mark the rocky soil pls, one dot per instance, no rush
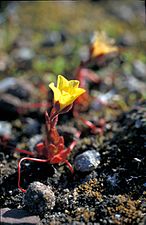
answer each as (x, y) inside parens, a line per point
(109, 182)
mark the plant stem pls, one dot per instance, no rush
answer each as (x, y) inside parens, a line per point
(19, 168)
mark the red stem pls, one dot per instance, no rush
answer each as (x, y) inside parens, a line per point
(19, 168)
(24, 151)
(78, 134)
(18, 149)
(69, 166)
(73, 144)
(36, 105)
(89, 124)
(33, 105)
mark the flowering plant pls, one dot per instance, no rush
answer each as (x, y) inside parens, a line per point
(101, 45)
(53, 148)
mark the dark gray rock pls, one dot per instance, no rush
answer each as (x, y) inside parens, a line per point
(26, 89)
(39, 198)
(18, 216)
(87, 161)
(20, 88)
(19, 92)
(53, 38)
(9, 106)
(32, 127)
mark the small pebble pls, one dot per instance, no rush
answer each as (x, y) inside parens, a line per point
(39, 198)
(117, 216)
(138, 123)
(54, 38)
(24, 54)
(7, 83)
(23, 58)
(139, 70)
(34, 141)
(87, 161)
(112, 180)
(5, 129)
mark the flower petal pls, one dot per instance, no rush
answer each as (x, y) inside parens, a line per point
(66, 100)
(74, 83)
(78, 92)
(56, 92)
(62, 83)
(102, 45)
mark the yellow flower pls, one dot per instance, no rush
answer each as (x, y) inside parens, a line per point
(102, 45)
(66, 91)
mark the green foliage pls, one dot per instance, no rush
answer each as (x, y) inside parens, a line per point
(58, 65)
(41, 65)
